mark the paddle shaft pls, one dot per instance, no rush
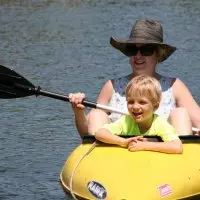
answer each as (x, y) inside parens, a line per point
(38, 91)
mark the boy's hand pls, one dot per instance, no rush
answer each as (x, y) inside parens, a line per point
(138, 143)
(140, 139)
(137, 146)
(127, 141)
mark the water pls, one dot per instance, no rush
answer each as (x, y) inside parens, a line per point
(63, 46)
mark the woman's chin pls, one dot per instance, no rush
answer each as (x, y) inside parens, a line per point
(141, 72)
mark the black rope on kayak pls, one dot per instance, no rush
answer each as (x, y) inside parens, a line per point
(74, 169)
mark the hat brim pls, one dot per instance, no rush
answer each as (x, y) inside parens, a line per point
(164, 50)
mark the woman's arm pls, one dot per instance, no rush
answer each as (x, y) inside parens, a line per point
(81, 118)
(184, 99)
(90, 123)
(96, 117)
(174, 146)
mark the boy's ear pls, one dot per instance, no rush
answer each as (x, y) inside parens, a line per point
(156, 106)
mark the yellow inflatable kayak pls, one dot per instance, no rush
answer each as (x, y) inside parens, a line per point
(101, 171)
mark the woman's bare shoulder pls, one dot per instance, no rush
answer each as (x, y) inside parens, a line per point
(182, 94)
(178, 84)
(105, 93)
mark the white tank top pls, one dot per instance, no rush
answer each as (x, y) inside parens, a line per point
(118, 99)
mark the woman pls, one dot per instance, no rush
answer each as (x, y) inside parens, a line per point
(146, 49)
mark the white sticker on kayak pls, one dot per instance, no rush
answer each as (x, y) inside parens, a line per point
(164, 190)
(97, 190)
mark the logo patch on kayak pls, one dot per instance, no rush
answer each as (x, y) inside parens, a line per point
(97, 190)
(164, 190)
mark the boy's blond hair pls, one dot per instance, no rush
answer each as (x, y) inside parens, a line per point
(145, 86)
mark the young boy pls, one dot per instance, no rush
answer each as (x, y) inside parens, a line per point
(143, 95)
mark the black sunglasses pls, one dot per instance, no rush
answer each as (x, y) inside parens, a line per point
(145, 50)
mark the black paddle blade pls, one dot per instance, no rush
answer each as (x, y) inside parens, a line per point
(11, 84)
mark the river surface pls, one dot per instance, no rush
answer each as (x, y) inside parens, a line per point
(63, 46)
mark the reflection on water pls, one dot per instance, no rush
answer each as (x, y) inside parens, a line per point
(63, 46)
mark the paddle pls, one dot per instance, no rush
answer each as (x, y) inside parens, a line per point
(13, 85)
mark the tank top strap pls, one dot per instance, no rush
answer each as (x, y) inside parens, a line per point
(119, 84)
(166, 83)
(167, 101)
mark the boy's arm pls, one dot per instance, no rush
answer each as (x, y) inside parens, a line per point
(106, 136)
(174, 146)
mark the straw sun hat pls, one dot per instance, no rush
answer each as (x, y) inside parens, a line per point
(145, 31)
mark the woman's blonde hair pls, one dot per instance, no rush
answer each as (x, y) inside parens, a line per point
(145, 86)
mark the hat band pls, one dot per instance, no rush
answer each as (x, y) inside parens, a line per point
(146, 35)
(144, 41)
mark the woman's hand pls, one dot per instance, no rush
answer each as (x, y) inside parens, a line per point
(195, 131)
(76, 100)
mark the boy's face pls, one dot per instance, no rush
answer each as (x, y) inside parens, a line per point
(141, 109)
